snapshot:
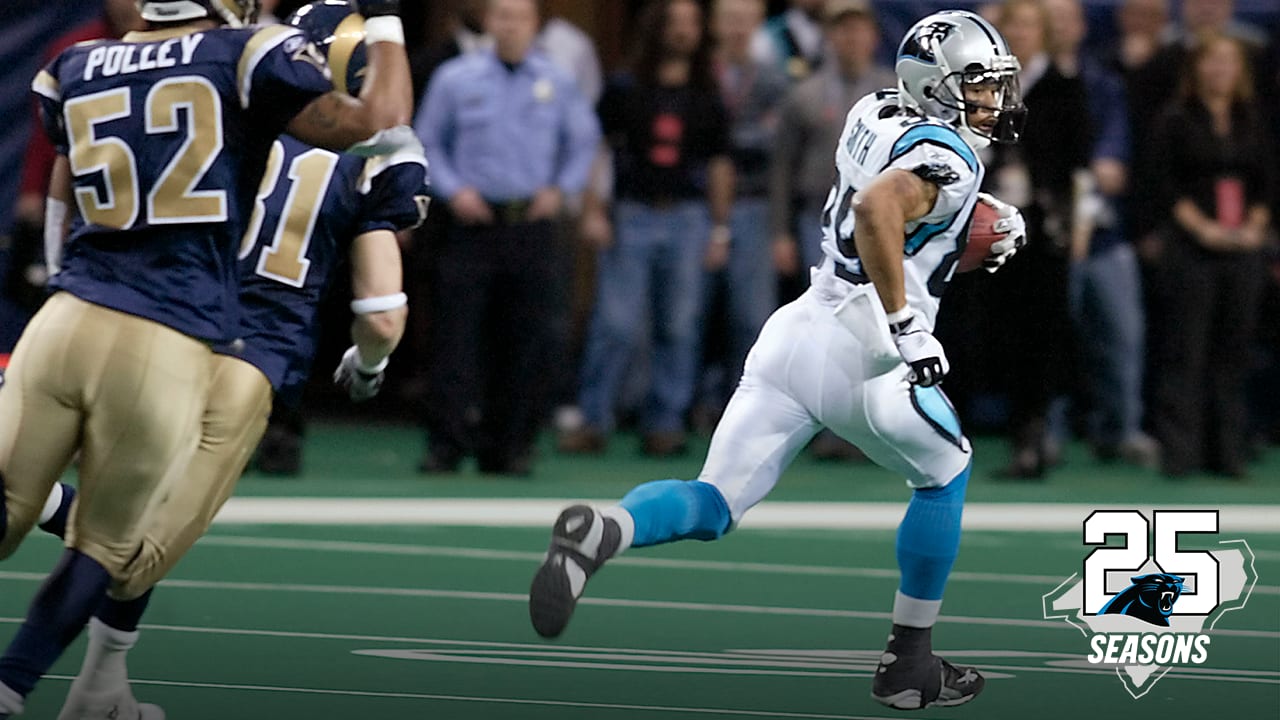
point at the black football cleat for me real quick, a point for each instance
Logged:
(919, 679)
(581, 541)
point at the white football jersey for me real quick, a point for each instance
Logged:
(879, 135)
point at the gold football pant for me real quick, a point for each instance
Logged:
(128, 393)
(234, 420)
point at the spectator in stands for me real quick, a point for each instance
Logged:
(670, 135)
(1219, 180)
(574, 52)
(1202, 16)
(509, 137)
(1105, 286)
(1144, 26)
(465, 33)
(566, 45)
(27, 275)
(751, 92)
(1161, 79)
(1030, 295)
(793, 40)
(810, 122)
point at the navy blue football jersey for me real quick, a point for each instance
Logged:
(312, 204)
(167, 133)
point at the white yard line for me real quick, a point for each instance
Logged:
(605, 602)
(493, 700)
(400, 549)
(524, 512)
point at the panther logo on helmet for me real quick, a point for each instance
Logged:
(236, 13)
(949, 50)
(922, 41)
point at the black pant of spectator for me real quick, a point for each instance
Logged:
(1210, 303)
(1037, 348)
(494, 299)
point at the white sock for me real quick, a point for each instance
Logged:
(626, 523)
(104, 667)
(914, 612)
(51, 504)
(10, 701)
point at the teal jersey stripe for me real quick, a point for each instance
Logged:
(923, 234)
(936, 135)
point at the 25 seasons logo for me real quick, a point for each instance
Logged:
(1145, 612)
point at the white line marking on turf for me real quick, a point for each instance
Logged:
(491, 700)
(1057, 660)
(593, 664)
(526, 512)
(604, 602)
(237, 541)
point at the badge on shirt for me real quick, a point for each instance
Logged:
(798, 68)
(543, 90)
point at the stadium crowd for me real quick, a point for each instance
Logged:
(604, 247)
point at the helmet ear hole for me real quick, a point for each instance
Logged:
(927, 91)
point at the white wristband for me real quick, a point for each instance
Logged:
(901, 316)
(368, 306)
(55, 220)
(384, 28)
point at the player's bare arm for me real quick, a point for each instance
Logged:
(337, 121)
(882, 210)
(376, 273)
(381, 310)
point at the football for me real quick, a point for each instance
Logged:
(981, 237)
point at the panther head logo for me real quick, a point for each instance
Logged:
(1150, 598)
(922, 43)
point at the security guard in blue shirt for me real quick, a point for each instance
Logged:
(508, 136)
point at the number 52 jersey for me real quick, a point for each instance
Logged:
(879, 135)
(167, 133)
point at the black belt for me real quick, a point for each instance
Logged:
(510, 212)
(846, 274)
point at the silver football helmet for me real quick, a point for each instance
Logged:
(236, 13)
(946, 51)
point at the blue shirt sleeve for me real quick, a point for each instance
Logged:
(397, 199)
(435, 129)
(579, 140)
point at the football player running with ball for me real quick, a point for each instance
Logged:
(855, 353)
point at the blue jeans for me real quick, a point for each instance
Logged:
(750, 284)
(652, 273)
(1106, 304)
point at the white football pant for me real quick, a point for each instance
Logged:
(808, 370)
